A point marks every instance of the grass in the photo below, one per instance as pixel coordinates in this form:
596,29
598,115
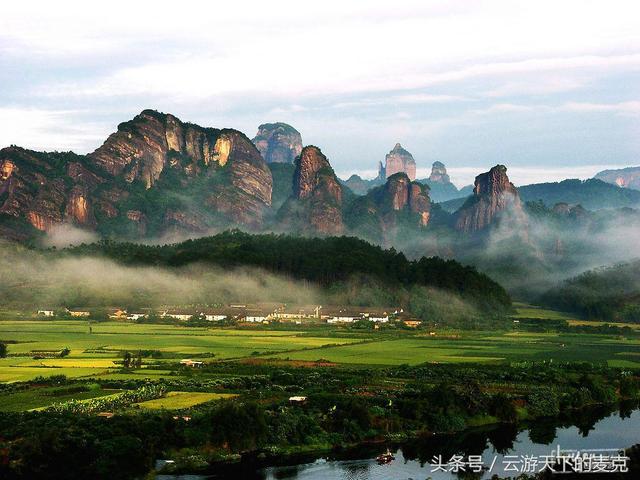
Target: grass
180,400
35,398
93,354
524,310
479,347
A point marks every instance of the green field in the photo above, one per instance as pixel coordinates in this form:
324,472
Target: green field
36,398
524,310
99,353
95,353
179,400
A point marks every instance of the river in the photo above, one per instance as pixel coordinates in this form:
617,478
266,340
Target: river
502,446
499,447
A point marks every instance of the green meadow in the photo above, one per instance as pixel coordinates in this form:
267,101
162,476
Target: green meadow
480,347
180,400
98,352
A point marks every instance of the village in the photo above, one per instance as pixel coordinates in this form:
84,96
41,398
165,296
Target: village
232,314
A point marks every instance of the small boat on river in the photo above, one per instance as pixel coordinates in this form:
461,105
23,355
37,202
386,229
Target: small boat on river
386,457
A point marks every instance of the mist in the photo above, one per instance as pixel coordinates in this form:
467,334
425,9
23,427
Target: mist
49,279
64,235
549,250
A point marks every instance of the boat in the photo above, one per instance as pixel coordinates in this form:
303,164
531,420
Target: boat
385,457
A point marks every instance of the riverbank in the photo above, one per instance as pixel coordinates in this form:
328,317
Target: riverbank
420,444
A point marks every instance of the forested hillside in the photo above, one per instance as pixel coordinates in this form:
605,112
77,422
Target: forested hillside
321,260
611,293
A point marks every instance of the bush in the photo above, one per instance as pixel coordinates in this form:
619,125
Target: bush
544,402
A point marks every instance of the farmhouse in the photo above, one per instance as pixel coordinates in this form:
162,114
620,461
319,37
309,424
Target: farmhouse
219,314
178,314
136,316
46,313
78,313
298,312
187,362
414,324
343,315
215,317
118,314
297,399
257,315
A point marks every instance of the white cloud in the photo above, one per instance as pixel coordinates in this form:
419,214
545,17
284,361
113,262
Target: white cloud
40,129
624,108
420,68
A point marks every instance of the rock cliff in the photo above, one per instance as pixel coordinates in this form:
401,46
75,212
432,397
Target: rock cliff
439,173
154,172
399,160
278,142
398,207
494,197
623,177
316,203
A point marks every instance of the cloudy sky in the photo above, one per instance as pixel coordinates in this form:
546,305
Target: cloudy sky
549,88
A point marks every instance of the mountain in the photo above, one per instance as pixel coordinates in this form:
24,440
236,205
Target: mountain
608,293
154,175
327,262
494,198
398,160
624,177
439,174
278,142
361,186
399,206
282,174
440,187
316,202
592,194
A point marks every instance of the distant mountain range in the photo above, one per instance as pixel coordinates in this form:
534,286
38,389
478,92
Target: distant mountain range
158,177
624,177
593,194
440,187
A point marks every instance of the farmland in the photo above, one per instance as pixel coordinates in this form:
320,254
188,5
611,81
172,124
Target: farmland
180,400
96,350
289,387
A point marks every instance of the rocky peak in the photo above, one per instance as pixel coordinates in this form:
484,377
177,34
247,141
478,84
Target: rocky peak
213,177
624,177
386,212
494,196
401,193
312,168
316,201
141,147
439,173
571,211
278,142
400,160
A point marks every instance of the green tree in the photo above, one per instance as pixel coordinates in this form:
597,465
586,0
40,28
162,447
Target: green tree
3,350
127,359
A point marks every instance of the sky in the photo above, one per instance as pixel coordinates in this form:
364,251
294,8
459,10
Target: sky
551,89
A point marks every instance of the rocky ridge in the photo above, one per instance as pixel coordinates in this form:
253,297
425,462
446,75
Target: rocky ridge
149,170
278,142
494,197
317,197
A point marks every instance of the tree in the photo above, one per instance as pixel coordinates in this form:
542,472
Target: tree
127,360
503,408
137,363
3,350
